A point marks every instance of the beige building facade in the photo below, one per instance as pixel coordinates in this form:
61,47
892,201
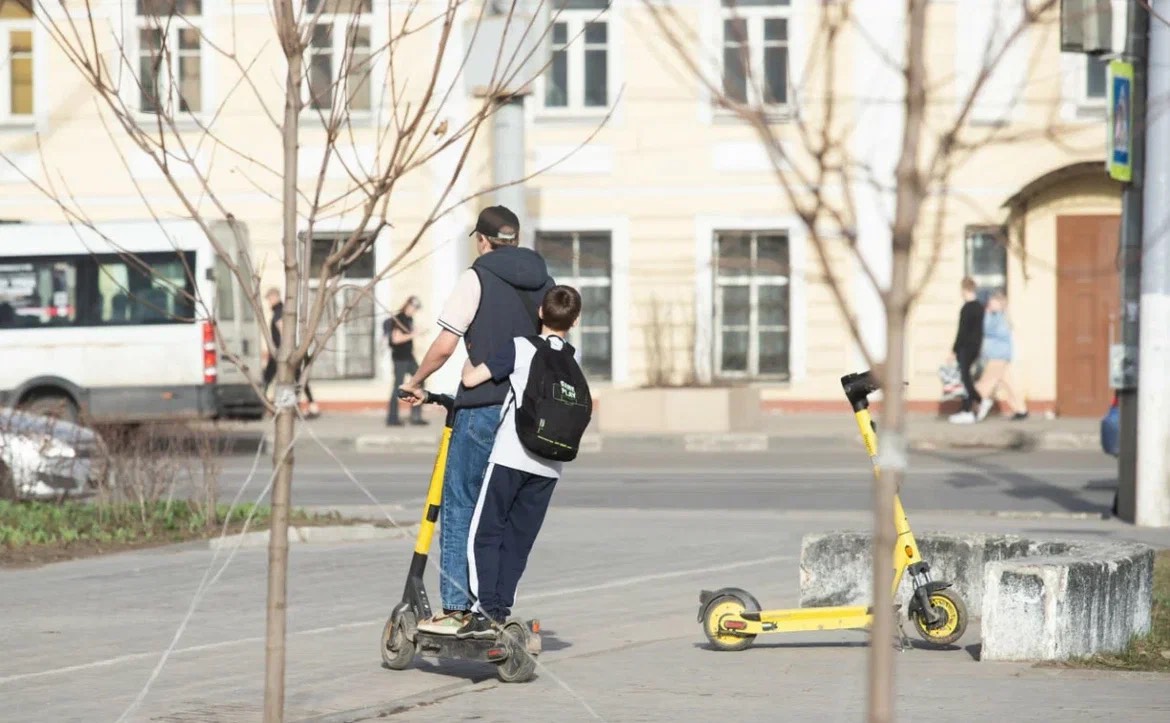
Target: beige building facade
693,265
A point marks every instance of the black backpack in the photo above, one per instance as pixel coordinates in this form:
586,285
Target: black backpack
556,407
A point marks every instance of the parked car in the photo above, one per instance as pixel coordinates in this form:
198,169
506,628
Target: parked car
1111,431
42,458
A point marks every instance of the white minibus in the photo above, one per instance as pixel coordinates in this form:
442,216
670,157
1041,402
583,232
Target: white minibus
126,322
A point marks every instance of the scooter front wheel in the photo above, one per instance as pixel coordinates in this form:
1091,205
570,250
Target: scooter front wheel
952,622
519,666
723,606
397,649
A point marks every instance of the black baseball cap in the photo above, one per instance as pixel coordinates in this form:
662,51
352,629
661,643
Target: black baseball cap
497,222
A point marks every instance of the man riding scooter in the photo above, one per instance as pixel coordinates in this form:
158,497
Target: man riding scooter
493,302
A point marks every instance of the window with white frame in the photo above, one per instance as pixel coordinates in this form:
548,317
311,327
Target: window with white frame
16,61
577,78
169,41
583,260
349,352
339,54
985,258
755,51
752,301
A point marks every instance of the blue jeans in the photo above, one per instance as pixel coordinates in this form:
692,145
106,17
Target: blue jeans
467,460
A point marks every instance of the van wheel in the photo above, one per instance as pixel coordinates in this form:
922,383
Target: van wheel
56,406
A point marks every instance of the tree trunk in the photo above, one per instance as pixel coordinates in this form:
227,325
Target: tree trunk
892,452
286,396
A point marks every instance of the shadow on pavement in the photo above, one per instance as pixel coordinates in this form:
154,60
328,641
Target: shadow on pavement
1020,485
469,671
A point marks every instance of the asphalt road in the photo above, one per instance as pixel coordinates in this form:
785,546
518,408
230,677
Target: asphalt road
817,477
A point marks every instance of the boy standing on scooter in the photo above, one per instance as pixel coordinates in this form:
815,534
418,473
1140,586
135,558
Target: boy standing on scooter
544,416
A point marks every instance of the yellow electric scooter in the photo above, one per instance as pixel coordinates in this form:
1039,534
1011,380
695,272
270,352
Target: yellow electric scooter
732,618
512,652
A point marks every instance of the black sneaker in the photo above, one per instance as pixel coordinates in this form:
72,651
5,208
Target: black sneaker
1019,416
477,627
419,422
393,423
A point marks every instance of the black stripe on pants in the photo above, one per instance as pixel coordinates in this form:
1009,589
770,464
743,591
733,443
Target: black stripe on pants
507,518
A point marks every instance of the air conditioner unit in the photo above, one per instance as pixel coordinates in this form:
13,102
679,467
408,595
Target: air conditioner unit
1086,26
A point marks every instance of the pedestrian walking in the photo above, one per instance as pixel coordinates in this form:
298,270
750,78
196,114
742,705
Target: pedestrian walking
400,333
276,328
966,349
997,361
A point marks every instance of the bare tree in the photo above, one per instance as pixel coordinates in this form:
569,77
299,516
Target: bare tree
146,90
821,178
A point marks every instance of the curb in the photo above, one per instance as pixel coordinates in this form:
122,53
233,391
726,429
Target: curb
994,438
309,534
750,442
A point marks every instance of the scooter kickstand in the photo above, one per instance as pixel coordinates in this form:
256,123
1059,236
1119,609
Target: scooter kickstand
903,641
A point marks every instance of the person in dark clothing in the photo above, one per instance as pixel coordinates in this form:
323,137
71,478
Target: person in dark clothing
276,327
493,302
966,349
399,332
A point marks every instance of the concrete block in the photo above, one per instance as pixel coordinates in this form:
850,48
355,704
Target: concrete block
835,568
715,410
1091,599
1039,599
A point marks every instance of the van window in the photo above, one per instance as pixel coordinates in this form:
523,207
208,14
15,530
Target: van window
151,288
37,293
225,286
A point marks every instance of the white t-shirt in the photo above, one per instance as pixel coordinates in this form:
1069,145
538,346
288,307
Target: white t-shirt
462,304
512,362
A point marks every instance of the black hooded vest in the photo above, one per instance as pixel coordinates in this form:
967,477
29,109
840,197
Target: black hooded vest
512,283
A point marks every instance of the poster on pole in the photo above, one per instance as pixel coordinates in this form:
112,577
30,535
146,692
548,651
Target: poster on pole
1120,121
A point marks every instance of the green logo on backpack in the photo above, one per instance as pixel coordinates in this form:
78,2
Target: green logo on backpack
566,393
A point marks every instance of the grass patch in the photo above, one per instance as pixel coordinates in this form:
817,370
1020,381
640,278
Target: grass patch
1151,653
37,532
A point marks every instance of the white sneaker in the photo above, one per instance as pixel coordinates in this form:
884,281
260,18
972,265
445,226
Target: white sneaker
442,624
962,418
984,409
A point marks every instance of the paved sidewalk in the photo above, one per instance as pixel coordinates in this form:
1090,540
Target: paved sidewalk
366,431
616,591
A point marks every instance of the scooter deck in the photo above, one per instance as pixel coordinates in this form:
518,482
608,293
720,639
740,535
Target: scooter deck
805,619
448,646
485,650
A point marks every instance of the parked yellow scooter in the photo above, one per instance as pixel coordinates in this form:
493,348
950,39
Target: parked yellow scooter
732,618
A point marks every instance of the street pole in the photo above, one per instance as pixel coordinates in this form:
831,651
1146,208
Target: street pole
1153,444
1136,51
508,160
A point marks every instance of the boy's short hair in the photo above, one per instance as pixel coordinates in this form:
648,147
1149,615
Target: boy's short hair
969,285
560,308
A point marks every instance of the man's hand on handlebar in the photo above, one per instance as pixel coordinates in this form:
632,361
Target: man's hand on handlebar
413,393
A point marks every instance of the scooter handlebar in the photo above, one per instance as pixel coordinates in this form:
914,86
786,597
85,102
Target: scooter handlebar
446,401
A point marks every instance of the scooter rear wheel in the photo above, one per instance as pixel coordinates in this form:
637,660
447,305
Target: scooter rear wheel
953,622
721,607
397,649
519,666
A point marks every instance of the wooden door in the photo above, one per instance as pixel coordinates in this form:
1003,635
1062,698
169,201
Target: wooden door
1087,288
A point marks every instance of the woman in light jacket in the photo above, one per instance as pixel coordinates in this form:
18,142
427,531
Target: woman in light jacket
997,361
